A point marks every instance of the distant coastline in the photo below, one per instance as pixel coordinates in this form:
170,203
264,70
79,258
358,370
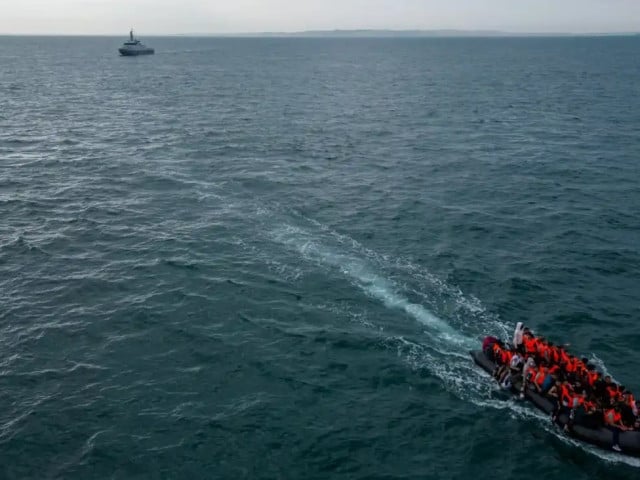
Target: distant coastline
445,33
357,33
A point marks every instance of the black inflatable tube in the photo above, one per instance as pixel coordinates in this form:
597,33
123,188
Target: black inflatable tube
601,437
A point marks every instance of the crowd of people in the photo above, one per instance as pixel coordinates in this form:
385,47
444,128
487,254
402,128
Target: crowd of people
574,385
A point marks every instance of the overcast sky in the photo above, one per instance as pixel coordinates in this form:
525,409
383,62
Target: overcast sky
232,16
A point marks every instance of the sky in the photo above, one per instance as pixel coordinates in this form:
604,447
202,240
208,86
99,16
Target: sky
152,17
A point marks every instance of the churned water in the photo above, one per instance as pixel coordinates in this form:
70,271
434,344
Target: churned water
268,258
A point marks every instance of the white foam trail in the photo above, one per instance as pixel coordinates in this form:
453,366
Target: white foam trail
360,273
468,310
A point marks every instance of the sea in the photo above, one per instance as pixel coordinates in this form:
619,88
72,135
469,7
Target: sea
269,258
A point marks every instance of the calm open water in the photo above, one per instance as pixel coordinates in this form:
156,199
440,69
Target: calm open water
268,258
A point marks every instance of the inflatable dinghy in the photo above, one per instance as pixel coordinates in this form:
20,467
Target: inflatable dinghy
602,437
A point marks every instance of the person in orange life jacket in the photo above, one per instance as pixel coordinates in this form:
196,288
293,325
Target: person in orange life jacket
565,400
530,343
583,378
537,375
502,364
582,368
554,369
588,374
592,376
496,350
575,396
613,421
577,401
487,344
541,347
491,347
579,368
578,387
571,368
570,364
510,374
612,391
564,356
553,354
550,353
626,410
505,361
627,397
541,350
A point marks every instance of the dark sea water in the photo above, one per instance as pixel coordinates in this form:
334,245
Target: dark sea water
268,258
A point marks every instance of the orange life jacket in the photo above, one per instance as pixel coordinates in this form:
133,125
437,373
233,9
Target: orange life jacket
571,366
497,353
545,352
506,357
530,344
592,377
612,391
589,406
541,347
566,396
577,400
540,376
555,356
531,373
612,417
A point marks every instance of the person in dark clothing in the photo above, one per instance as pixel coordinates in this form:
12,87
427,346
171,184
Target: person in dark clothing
549,381
487,345
626,412
600,389
613,422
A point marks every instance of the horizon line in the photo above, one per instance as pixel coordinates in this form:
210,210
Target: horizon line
446,32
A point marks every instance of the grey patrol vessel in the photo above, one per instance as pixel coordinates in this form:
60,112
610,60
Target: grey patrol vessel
134,47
